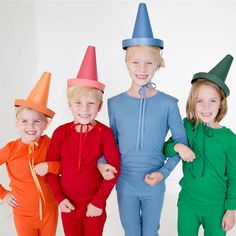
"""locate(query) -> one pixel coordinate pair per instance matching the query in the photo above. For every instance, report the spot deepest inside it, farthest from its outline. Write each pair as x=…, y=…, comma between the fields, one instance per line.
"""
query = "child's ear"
x=100, y=106
x=69, y=104
x=157, y=67
x=48, y=123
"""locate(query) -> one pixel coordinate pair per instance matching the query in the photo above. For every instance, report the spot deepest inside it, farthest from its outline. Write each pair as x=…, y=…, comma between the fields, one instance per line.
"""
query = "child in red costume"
x=80, y=190
x=34, y=207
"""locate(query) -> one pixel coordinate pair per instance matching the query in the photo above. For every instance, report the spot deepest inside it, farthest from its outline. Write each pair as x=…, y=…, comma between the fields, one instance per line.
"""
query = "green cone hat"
x=217, y=74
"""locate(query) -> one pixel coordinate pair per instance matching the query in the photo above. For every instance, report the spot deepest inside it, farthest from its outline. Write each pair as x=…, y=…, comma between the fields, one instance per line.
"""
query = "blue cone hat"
x=142, y=34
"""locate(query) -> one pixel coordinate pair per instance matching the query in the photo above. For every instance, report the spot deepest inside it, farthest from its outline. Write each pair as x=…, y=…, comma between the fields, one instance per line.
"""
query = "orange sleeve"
x=4, y=155
x=54, y=167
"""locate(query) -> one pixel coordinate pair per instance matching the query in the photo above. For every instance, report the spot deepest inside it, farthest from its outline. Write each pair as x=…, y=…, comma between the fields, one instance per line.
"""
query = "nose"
x=30, y=125
x=206, y=105
x=142, y=67
x=85, y=107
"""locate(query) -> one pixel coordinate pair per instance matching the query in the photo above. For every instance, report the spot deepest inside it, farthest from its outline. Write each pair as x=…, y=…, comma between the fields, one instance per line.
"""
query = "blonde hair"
x=20, y=109
x=154, y=49
x=74, y=92
x=191, y=101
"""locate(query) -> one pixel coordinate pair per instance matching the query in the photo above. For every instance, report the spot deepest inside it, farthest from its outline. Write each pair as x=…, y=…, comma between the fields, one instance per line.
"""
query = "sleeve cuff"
x=3, y=193
x=98, y=203
x=54, y=167
x=230, y=204
x=171, y=151
x=101, y=160
x=165, y=172
x=60, y=197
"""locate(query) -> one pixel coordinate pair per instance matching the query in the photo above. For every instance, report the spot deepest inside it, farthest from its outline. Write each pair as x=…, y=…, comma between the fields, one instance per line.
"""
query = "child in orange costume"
x=34, y=207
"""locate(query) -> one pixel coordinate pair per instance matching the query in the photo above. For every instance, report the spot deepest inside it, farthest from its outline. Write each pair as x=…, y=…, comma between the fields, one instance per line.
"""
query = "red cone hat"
x=38, y=98
x=87, y=75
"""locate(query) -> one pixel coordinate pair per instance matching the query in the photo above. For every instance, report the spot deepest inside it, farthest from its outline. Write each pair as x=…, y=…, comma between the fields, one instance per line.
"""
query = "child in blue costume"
x=140, y=119
x=208, y=186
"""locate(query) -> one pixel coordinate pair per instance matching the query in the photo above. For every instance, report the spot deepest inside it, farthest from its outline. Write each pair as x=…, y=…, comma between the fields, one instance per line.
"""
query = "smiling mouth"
x=84, y=116
x=30, y=132
x=141, y=77
x=208, y=114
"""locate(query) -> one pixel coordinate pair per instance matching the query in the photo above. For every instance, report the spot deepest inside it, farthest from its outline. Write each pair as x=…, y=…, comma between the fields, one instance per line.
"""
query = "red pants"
x=45, y=227
x=77, y=224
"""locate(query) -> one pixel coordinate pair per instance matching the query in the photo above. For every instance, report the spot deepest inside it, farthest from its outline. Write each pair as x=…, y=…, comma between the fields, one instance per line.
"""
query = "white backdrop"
x=37, y=36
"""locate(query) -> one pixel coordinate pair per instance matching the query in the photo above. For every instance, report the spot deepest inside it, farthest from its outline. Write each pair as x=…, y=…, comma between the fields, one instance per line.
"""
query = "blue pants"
x=140, y=216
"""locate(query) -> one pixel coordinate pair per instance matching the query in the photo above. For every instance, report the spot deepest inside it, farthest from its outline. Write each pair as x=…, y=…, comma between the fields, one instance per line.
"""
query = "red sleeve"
x=54, y=155
x=4, y=155
x=111, y=153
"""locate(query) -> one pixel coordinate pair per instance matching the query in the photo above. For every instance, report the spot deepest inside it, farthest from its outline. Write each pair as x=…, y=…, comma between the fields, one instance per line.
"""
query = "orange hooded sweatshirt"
x=16, y=155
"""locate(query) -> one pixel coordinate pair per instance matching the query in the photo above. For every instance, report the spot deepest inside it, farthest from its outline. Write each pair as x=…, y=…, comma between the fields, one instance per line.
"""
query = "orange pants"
x=46, y=227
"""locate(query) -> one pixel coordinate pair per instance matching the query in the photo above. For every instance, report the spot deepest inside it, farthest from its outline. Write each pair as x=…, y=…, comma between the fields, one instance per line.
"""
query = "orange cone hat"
x=87, y=75
x=38, y=98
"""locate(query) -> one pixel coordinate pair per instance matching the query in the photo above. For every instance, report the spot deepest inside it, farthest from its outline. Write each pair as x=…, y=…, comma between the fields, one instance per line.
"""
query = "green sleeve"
x=169, y=148
x=230, y=202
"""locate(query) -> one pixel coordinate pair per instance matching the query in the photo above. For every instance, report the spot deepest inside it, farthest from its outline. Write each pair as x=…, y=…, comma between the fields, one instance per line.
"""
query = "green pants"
x=189, y=223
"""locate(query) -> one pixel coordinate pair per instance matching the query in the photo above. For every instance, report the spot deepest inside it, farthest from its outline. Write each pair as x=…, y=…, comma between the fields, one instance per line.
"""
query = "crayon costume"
x=136, y=163
x=80, y=180
x=208, y=187
x=36, y=213
x=140, y=126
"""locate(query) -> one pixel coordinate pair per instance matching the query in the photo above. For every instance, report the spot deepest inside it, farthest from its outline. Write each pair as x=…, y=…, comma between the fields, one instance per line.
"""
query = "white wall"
x=53, y=36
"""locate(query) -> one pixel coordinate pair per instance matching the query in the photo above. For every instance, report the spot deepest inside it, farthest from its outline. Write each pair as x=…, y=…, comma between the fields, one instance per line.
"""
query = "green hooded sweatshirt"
x=208, y=185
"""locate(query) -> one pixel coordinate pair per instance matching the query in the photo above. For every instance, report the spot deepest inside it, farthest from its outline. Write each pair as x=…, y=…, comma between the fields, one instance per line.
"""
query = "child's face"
x=207, y=104
x=142, y=65
x=86, y=108
x=30, y=125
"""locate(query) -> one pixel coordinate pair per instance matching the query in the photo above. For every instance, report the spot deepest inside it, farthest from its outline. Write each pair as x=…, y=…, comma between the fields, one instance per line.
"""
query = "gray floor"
x=112, y=227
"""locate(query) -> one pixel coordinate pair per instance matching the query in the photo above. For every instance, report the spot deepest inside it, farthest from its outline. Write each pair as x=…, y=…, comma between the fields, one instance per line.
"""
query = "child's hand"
x=41, y=168
x=185, y=152
x=153, y=178
x=10, y=200
x=93, y=211
x=66, y=206
x=107, y=171
x=228, y=220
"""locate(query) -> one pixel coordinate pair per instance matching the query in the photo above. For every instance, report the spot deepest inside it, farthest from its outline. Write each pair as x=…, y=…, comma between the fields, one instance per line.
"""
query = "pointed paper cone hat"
x=38, y=98
x=217, y=74
x=87, y=75
x=142, y=34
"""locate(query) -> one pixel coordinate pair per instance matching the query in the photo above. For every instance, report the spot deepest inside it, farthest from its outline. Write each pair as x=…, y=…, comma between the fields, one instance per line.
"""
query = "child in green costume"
x=208, y=186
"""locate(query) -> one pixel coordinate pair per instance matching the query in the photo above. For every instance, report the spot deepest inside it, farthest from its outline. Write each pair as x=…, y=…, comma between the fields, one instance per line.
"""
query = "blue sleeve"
x=178, y=135
x=112, y=120
x=112, y=123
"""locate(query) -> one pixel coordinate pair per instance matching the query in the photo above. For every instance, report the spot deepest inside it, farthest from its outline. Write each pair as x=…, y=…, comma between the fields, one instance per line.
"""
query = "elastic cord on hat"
x=141, y=118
